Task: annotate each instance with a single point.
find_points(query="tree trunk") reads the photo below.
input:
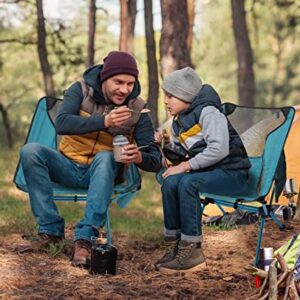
(42, 50)
(174, 52)
(124, 24)
(151, 63)
(6, 126)
(128, 14)
(191, 18)
(131, 10)
(92, 30)
(246, 81)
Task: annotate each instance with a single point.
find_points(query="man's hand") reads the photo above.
(173, 170)
(117, 117)
(131, 154)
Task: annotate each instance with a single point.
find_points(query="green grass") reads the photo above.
(15, 216)
(142, 219)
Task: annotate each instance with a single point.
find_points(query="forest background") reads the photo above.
(248, 50)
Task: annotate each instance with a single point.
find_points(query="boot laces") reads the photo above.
(170, 248)
(183, 252)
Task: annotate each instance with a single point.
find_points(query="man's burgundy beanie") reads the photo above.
(118, 62)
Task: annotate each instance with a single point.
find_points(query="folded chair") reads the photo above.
(263, 132)
(42, 131)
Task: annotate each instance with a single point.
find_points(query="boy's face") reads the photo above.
(174, 105)
(117, 88)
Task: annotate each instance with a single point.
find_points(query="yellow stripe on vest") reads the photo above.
(196, 129)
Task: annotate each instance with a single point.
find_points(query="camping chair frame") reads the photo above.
(42, 130)
(262, 175)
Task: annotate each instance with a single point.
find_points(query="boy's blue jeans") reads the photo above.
(41, 165)
(181, 203)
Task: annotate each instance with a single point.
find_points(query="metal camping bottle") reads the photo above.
(119, 142)
(103, 257)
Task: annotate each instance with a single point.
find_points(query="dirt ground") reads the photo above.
(41, 276)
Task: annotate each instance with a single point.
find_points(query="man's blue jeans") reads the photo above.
(41, 165)
(181, 203)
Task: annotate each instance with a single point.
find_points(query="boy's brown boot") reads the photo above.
(189, 258)
(171, 248)
(82, 254)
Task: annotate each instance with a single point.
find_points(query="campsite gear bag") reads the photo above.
(291, 253)
(103, 257)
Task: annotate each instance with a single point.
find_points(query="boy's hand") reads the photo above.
(131, 154)
(117, 117)
(161, 137)
(183, 167)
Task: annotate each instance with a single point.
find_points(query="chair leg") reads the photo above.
(108, 228)
(221, 208)
(260, 234)
(280, 224)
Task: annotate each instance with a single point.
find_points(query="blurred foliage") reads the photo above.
(273, 27)
(213, 48)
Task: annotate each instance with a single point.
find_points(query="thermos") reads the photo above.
(266, 258)
(103, 257)
(119, 142)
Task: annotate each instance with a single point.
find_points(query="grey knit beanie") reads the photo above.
(184, 84)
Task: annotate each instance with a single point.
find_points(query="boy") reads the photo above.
(215, 161)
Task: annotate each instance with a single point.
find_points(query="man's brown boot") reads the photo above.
(43, 241)
(82, 254)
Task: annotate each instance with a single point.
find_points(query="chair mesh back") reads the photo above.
(263, 132)
(254, 125)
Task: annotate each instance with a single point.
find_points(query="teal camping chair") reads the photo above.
(42, 131)
(263, 132)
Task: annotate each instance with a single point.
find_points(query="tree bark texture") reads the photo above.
(42, 50)
(92, 30)
(246, 81)
(191, 18)
(124, 29)
(131, 10)
(151, 63)
(6, 125)
(174, 53)
(127, 17)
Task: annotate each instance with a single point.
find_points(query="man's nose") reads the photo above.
(124, 89)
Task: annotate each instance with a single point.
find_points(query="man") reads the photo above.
(94, 110)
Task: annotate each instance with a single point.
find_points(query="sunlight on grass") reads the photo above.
(15, 216)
